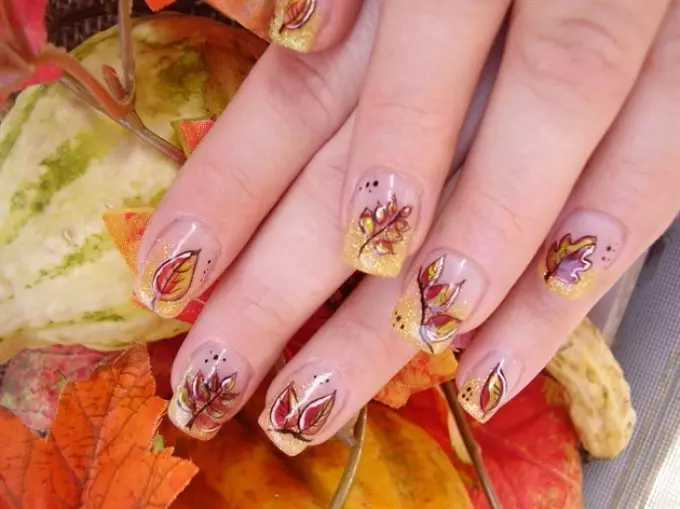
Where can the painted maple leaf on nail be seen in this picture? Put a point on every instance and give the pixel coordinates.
(287, 415)
(383, 227)
(173, 278)
(437, 324)
(566, 260)
(208, 400)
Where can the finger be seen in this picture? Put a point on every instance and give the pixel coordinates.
(312, 25)
(289, 106)
(517, 175)
(416, 94)
(268, 293)
(628, 196)
(340, 370)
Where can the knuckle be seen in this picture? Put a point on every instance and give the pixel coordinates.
(577, 56)
(495, 216)
(363, 336)
(233, 182)
(267, 310)
(396, 113)
(297, 86)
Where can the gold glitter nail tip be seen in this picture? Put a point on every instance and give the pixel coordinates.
(296, 24)
(438, 299)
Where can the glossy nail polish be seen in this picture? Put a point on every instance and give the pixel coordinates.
(586, 243)
(303, 408)
(177, 267)
(440, 295)
(488, 385)
(382, 215)
(296, 24)
(210, 391)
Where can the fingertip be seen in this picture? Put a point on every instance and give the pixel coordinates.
(312, 25)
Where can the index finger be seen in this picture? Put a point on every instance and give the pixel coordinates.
(287, 108)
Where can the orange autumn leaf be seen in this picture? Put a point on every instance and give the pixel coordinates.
(424, 371)
(157, 5)
(97, 453)
(529, 448)
(191, 132)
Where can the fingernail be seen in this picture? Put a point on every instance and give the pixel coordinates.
(586, 243)
(210, 390)
(303, 408)
(489, 384)
(439, 297)
(382, 215)
(177, 267)
(296, 24)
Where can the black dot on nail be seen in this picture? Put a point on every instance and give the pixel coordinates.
(375, 183)
(609, 248)
(402, 326)
(215, 357)
(206, 361)
(209, 262)
(224, 360)
(314, 376)
(398, 318)
(468, 389)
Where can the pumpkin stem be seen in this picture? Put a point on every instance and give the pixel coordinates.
(349, 474)
(470, 444)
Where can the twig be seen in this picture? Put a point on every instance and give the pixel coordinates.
(132, 123)
(347, 479)
(470, 444)
(126, 50)
(74, 68)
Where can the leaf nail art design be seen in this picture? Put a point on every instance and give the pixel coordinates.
(493, 391)
(383, 227)
(297, 13)
(207, 400)
(566, 260)
(487, 386)
(286, 415)
(173, 278)
(438, 324)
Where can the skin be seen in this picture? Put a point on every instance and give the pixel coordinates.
(582, 116)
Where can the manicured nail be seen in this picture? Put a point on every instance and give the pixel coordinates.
(586, 243)
(382, 215)
(296, 24)
(210, 390)
(303, 408)
(177, 267)
(489, 384)
(439, 297)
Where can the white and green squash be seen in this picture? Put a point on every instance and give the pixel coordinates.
(62, 164)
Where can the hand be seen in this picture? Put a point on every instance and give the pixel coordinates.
(572, 175)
